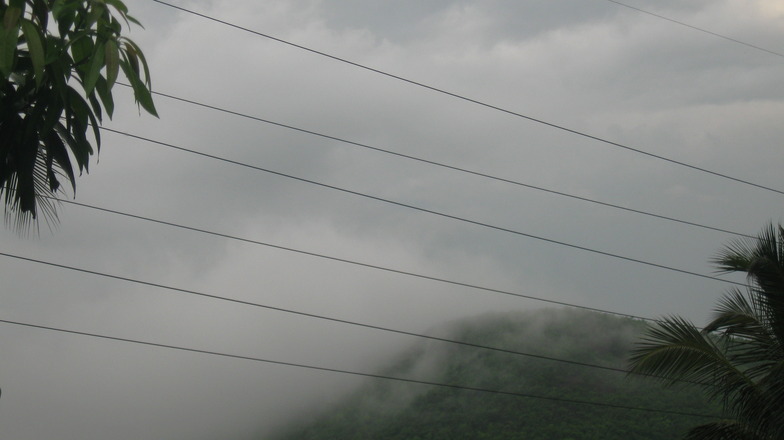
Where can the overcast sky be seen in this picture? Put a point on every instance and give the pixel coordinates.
(589, 65)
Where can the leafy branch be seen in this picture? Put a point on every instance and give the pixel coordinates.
(44, 119)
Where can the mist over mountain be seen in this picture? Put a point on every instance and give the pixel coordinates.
(393, 410)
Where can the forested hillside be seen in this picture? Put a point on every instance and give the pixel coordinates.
(390, 410)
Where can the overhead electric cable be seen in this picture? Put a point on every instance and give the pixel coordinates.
(352, 262)
(681, 23)
(354, 323)
(320, 317)
(352, 373)
(430, 211)
(476, 101)
(442, 165)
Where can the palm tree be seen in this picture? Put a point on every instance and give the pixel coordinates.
(738, 358)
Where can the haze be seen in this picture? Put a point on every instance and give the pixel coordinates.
(589, 65)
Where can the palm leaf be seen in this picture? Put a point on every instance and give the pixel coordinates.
(738, 357)
(722, 430)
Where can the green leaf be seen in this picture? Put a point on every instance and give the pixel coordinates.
(53, 51)
(58, 9)
(96, 64)
(106, 96)
(82, 117)
(138, 52)
(40, 13)
(128, 18)
(96, 11)
(81, 46)
(12, 14)
(140, 91)
(75, 147)
(54, 112)
(112, 59)
(115, 26)
(55, 150)
(119, 5)
(9, 37)
(64, 13)
(35, 47)
(133, 60)
(96, 105)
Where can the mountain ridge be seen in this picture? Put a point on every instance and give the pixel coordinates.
(389, 410)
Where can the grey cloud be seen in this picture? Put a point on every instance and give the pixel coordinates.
(592, 66)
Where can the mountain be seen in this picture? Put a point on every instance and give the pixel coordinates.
(392, 410)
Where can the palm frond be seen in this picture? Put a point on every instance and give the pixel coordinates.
(723, 430)
(762, 259)
(45, 202)
(675, 350)
(739, 356)
(735, 312)
(744, 320)
(735, 256)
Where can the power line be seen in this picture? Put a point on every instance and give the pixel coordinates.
(697, 28)
(430, 211)
(477, 102)
(355, 323)
(352, 262)
(450, 167)
(327, 257)
(339, 260)
(353, 373)
(321, 317)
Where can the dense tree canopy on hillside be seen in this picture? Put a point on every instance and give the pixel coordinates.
(396, 411)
